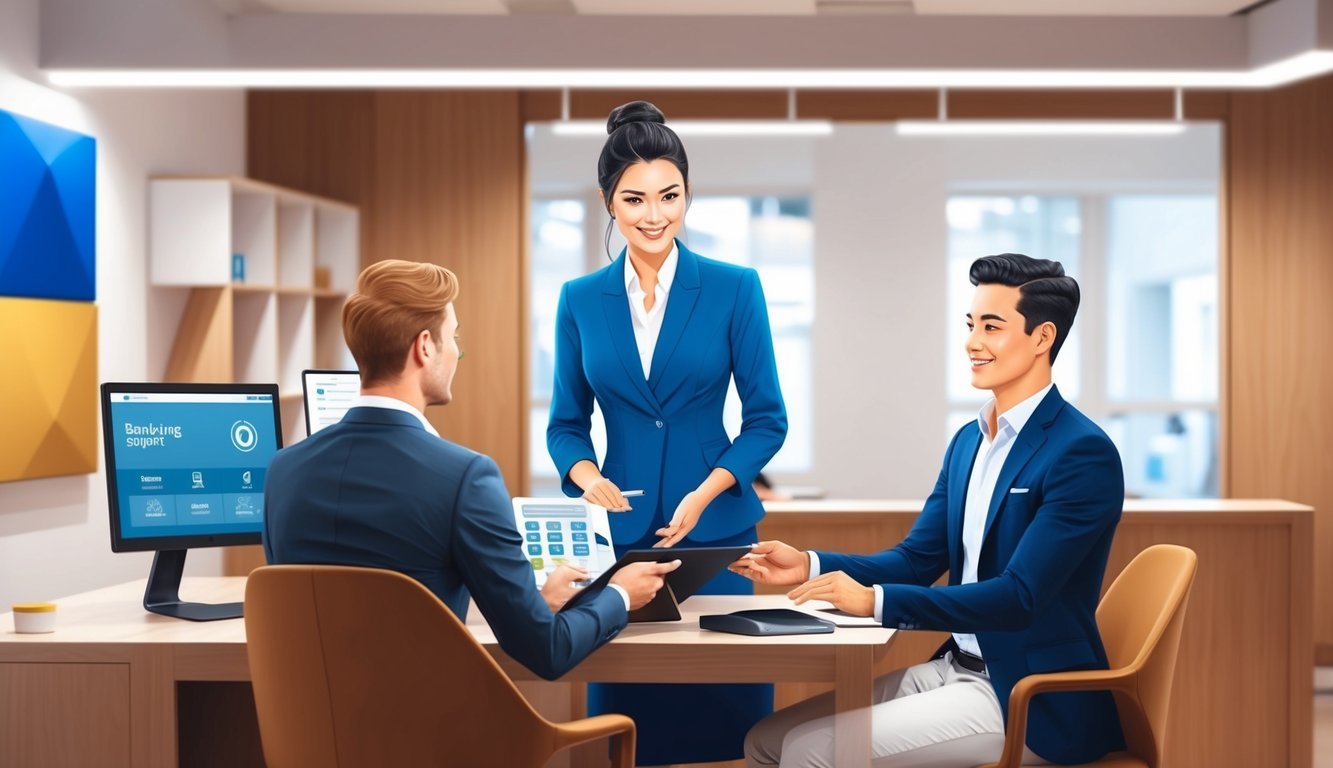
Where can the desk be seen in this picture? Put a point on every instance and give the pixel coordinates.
(102, 689)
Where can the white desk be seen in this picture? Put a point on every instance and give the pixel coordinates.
(102, 689)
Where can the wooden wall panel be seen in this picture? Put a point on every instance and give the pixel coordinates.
(449, 168)
(322, 142)
(1158, 104)
(920, 104)
(438, 176)
(1279, 156)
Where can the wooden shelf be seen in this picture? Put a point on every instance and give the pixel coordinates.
(273, 323)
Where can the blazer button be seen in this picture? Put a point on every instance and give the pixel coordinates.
(659, 424)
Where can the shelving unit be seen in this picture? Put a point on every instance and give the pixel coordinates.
(283, 314)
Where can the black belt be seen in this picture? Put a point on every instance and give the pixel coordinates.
(969, 661)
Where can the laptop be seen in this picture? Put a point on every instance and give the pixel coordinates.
(328, 396)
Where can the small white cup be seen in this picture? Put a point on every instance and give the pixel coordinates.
(34, 618)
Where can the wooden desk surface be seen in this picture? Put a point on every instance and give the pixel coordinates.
(146, 655)
(116, 615)
(215, 650)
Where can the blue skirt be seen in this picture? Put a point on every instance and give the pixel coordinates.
(689, 722)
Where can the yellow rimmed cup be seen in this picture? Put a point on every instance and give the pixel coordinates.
(34, 618)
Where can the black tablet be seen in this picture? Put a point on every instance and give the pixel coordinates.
(697, 566)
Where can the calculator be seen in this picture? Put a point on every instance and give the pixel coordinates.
(563, 530)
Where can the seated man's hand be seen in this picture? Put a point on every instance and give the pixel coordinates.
(772, 562)
(838, 588)
(558, 589)
(642, 581)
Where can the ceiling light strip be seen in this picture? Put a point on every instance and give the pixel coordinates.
(1038, 128)
(1298, 67)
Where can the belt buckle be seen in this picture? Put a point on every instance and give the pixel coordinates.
(970, 662)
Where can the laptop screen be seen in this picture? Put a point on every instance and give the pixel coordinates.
(328, 396)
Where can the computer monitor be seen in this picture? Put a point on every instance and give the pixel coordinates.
(328, 396)
(185, 468)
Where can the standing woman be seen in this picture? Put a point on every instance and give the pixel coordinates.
(655, 338)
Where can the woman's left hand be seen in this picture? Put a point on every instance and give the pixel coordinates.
(686, 517)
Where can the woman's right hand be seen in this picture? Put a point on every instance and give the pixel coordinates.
(605, 493)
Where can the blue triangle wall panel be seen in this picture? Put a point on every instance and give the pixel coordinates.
(47, 211)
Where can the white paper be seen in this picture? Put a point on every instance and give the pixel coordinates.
(824, 610)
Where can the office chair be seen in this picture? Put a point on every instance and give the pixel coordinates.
(365, 667)
(1140, 618)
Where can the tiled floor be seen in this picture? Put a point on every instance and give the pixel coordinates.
(1323, 717)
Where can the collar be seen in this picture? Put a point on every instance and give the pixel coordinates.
(665, 276)
(392, 404)
(1015, 418)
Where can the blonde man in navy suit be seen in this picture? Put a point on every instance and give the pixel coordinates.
(1021, 518)
(655, 338)
(382, 489)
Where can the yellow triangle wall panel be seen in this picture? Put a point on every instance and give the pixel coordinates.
(48, 388)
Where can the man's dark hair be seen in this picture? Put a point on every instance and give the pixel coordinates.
(1045, 293)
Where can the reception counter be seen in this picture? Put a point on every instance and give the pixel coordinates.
(1243, 693)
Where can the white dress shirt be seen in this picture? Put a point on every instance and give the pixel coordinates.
(648, 323)
(986, 468)
(992, 452)
(394, 404)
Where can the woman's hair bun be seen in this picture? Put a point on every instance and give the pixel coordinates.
(634, 112)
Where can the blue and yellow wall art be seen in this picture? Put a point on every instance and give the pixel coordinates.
(48, 286)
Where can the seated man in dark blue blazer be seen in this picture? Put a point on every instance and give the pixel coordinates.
(382, 489)
(1022, 518)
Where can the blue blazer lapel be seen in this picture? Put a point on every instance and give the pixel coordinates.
(680, 305)
(1029, 442)
(960, 474)
(615, 305)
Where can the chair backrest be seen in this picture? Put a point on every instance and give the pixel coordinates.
(359, 666)
(1140, 619)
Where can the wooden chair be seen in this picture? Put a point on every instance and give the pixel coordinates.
(366, 667)
(1140, 618)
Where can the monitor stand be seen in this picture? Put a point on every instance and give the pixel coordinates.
(162, 596)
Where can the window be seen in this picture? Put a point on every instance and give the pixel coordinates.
(779, 243)
(774, 235)
(1147, 267)
(559, 253)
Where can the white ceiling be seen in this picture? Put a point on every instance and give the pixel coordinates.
(746, 7)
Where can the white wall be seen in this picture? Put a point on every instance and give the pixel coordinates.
(54, 533)
(880, 261)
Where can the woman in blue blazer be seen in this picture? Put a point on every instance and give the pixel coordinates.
(655, 338)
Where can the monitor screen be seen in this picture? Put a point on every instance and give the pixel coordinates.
(186, 462)
(328, 396)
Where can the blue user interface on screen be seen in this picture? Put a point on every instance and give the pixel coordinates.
(191, 464)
